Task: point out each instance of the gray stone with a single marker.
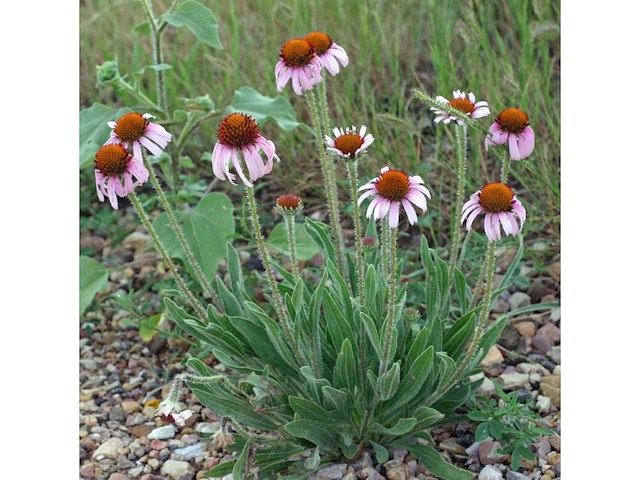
(554, 353)
(543, 404)
(490, 473)
(451, 445)
(555, 315)
(331, 472)
(396, 470)
(488, 452)
(516, 476)
(162, 433)
(118, 414)
(177, 470)
(206, 427)
(108, 449)
(519, 300)
(363, 462)
(192, 451)
(512, 380)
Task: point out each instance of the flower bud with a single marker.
(107, 72)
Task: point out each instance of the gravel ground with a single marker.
(122, 379)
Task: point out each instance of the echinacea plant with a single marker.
(341, 358)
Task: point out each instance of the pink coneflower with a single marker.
(392, 188)
(349, 143)
(239, 133)
(468, 106)
(298, 62)
(512, 125)
(112, 163)
(329, 53)
(167, 414)
(499, 204)
(135, 129)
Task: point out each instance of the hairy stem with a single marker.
(275, 293)
(504, 168)
(392, 301)
(204, 282)
(290, 224)
(352, 168)
(328, 174)
(461, 151)
(144, 218)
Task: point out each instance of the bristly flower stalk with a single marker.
(204, 282)
(461, 151)
(273, 284)
(289, 206)
(144, 218)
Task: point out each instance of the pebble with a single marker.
(136, 241)
(516, 476)
(542, 342)
(192, 451)
(130, 406)
(177, 469)
(396, 470)
(555, 442)
(141, 430)
(488, 452)
(523, 395)
(490, 472)
(118, 476)
(109, 449)
(493, 357)
(509, 337)
(87, 471)
(513, 380)
(543, 447)
(117, 414)
(543, 404)
(553, 458)
(162, 433)
(554, 353)
(555, 315)
(487, 388)
(519, 300)
(526, 328)
(451, 445)
(330, 472)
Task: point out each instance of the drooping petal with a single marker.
(394, 214)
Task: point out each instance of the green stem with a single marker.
(144, 218)
(504, 168)
(290, 224)
(139, 95)
(275, 293)
(384, 233)
(352, 168)
(328, 173)
(204, 282)
(490, 263)
(461, 150)
(156, 47)
(392, 302)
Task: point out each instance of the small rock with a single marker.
(177, 469)
(523, 395)
(541, 287)
(555, 442)
(205, 427)
(192, 451)
(330, 472)
(553, 458)
(130, 406)
(516, 476)
(87, 471)
(519, 300)
(487, 388)
(552, 392)
(526, 328)
(350, 476)
(543, 404)
(488, 452)
(545, 477)
(490, 472)
(543, 447)
(118, 476)
(141, 430)
(494, 357)
(542, 342)
(135, 472)
(509, 337)
(452, 446)
(117, 414)
(512, 380)
(109, 449)
(363, 462)
(162, 433)
(396, 470)
(555, 315)
(553, 380)
(555, 354)
(158, 445)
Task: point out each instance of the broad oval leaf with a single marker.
(306, 248)
(197, 18)
(93, 279)
(94, 130)
(249, 101)
(207, 228)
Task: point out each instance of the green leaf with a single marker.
(306, 248)
(241, 463)
(382, 454)
(249, 101)
(197, 18)
(389, 382)
(149, 327)
(317, 433)
(312, 462)
(94, 130)
(206, 228)
(155, 68)
(494, 429)
(437, 465)
(482, 432)
(93, 279)
(402, 426)
(477, 416)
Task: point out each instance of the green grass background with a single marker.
(506, 51)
